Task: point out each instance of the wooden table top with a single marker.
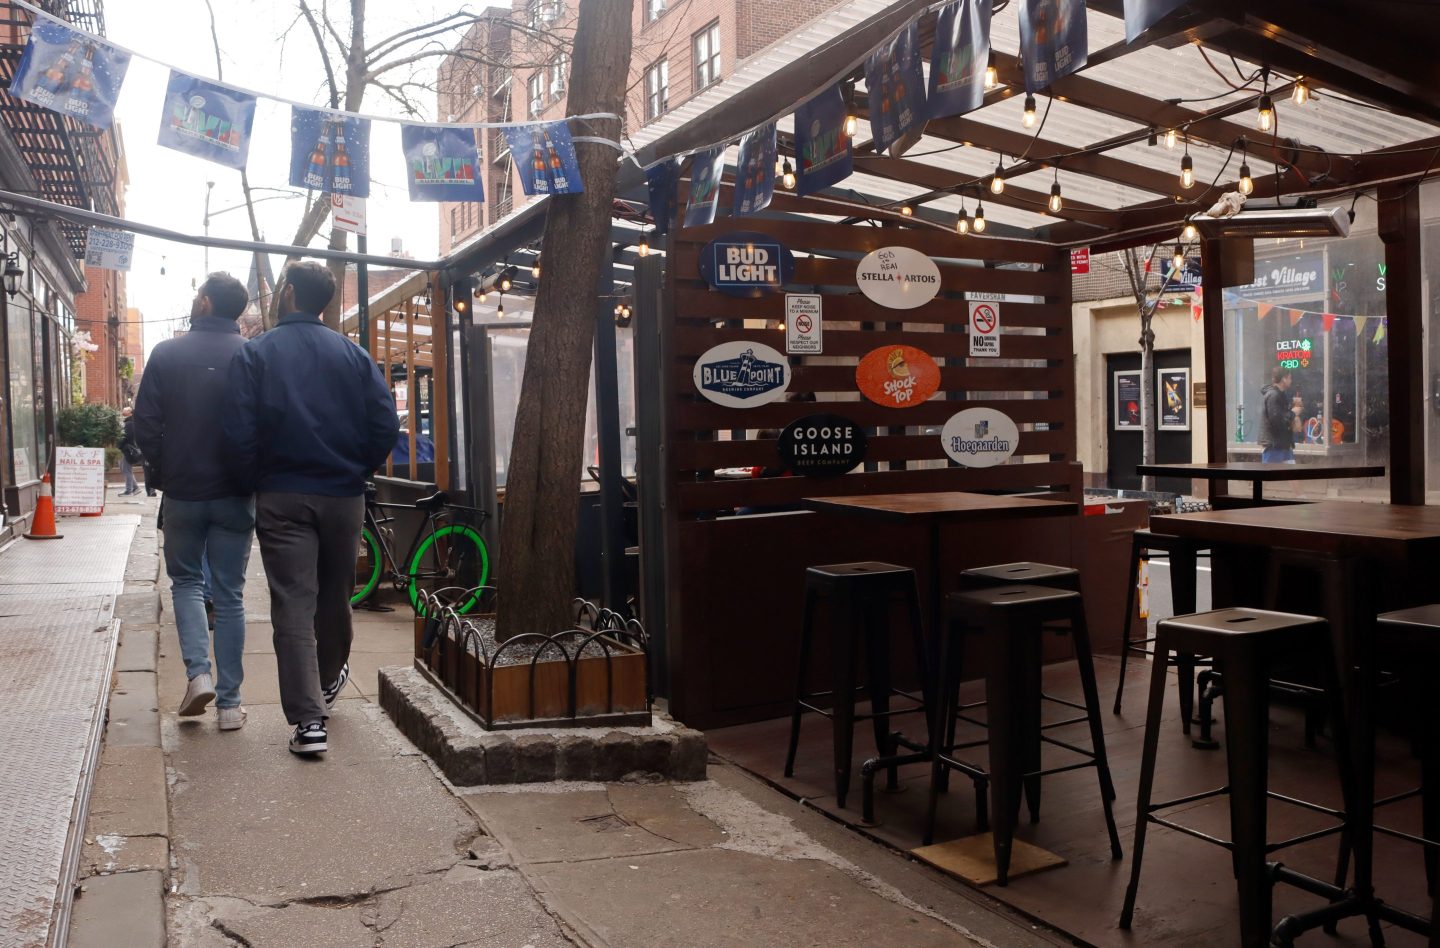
(948, 506)
(1260, 471)
(1380, 531)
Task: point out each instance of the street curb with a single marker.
(471, 756)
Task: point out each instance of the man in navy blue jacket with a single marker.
(310, 420)
(206, 509)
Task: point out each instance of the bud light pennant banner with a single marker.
(1140, 15)
(705, 172)
(70, 72)
(660, 181)
(441, 163)
(329, 153)
(545, 155)
(897, 88)
(207, 121)
(1054, 40)
(957, 65)
(755, 174)
(821, 142)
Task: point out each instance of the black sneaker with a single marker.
(309, 738)
(332, 690)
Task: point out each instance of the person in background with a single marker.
(129, 454)
(208, 515)
(1279, 419)
(310, 420)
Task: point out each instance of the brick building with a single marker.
(503, 71)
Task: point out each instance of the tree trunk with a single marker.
(537, 540)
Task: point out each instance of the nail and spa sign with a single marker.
(747, 264)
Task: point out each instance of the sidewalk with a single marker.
(253, 846)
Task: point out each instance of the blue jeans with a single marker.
(128, 470)
(1277, 455)
(218, 531)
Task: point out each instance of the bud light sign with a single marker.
(979, 437)
(746, 264)
(742, 374)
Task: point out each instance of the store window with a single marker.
(706, 48)
(24, 448)
(657, 90)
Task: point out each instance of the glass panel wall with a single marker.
(21, 347)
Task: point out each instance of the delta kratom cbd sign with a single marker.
(747, 264)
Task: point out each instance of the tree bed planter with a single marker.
(593, 675)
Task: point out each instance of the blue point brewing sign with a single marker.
(747, 264)
(742, 374)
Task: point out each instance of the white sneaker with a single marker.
(231, 719)
(309, 738)
(332, 690)
(198, 694)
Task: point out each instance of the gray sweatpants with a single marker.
(309, 544)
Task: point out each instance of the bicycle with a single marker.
(440, 554)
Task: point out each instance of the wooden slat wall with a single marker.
(1034, 384)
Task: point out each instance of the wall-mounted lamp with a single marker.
(13, 273)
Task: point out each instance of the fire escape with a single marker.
(71, 162)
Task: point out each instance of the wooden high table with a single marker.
(1258, 472)
(1358, 544)
(936, 510)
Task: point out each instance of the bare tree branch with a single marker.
(324, 54)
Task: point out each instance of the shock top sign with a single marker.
(897, 376)
(747, 264)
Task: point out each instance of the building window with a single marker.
(454, 220)
(653, 9)
(543, 13)
(706, 47)
(537, 92)
(559, 72)
(657, 90)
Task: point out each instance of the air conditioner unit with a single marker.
(477, 89)
(549, 12)
(537, 106)
(557, 87)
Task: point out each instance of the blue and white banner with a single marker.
(958, 62)
(545, 155)
(329, 153)
(1140, 15)
(207, 120)
(442, 164)
(1054, 40)
(706, 169)
(755, 174)
(897, 88)
(821, 142)
(70, 72)
(660, 184)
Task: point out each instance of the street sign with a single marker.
(1080, 260)
(109, 249)
(984, 329)
(804, 327)
(348, 213)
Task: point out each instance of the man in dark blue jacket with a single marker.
(206, 509)
(310, 419)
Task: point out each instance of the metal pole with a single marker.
(607, 426)
(209, 186)
(651, 477)
(362, 288)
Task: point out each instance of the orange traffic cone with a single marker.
(42, 527)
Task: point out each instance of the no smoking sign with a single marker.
(985, 330)
(804, 326)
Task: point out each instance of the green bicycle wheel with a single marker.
(452, 553)
(367, 567)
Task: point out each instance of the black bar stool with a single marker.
(859, 597)
(1011, 574)
(1011, 618)
(1244, 644)
(1183, 554)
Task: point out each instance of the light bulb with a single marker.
(1179, 258)
(1172, 137)
(979, 219)
(907, 210)
(997, 182)
(852, 125)
(1187, 172)
(1055, 203)
(1301, 93)
(1028, 119)
(1247, 184)
(788, 179)
(992, 75)
(779, 166)
(500, 310)
(962, 221)
(535, 268)
(644, 248)
(1265, 119)
(1189, 232)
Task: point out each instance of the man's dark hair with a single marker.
(228, 296)
(1278, 374)
(314, 285)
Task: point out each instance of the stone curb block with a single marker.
(534, 756)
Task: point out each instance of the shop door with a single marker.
(1124, 434)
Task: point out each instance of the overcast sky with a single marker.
(167, 188)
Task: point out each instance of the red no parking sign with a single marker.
(985, 329)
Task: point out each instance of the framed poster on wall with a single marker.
(1172, 390)
(1126, 386)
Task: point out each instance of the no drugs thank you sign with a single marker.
(984, 328)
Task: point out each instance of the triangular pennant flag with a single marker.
(821, 145)
(705, 173)
(1264, 309)
(896, 86)
(1360, 325)
(1379, 331)
(958, 61)
(70, 72)
(1295, 315)
(755, 171)
(1328, 323)
(207, 120)
(1053, 41)
(329, 153)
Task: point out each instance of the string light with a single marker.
(979, 223)
(852, 125)
(997, 181)
(1029, 118)
(1189, 232)
(535, 268)
(1247, 183)
(1179, 258)
(907, 210)
(962, 220)
(1056, 203)
(500, 307)
(1266, 116)
(852, 118)
(992, 75)
(779, 166)
(1187, 168)
(788, 177)
(644, 248)
(1301, 94)
(1172, 137)
(506, 279)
